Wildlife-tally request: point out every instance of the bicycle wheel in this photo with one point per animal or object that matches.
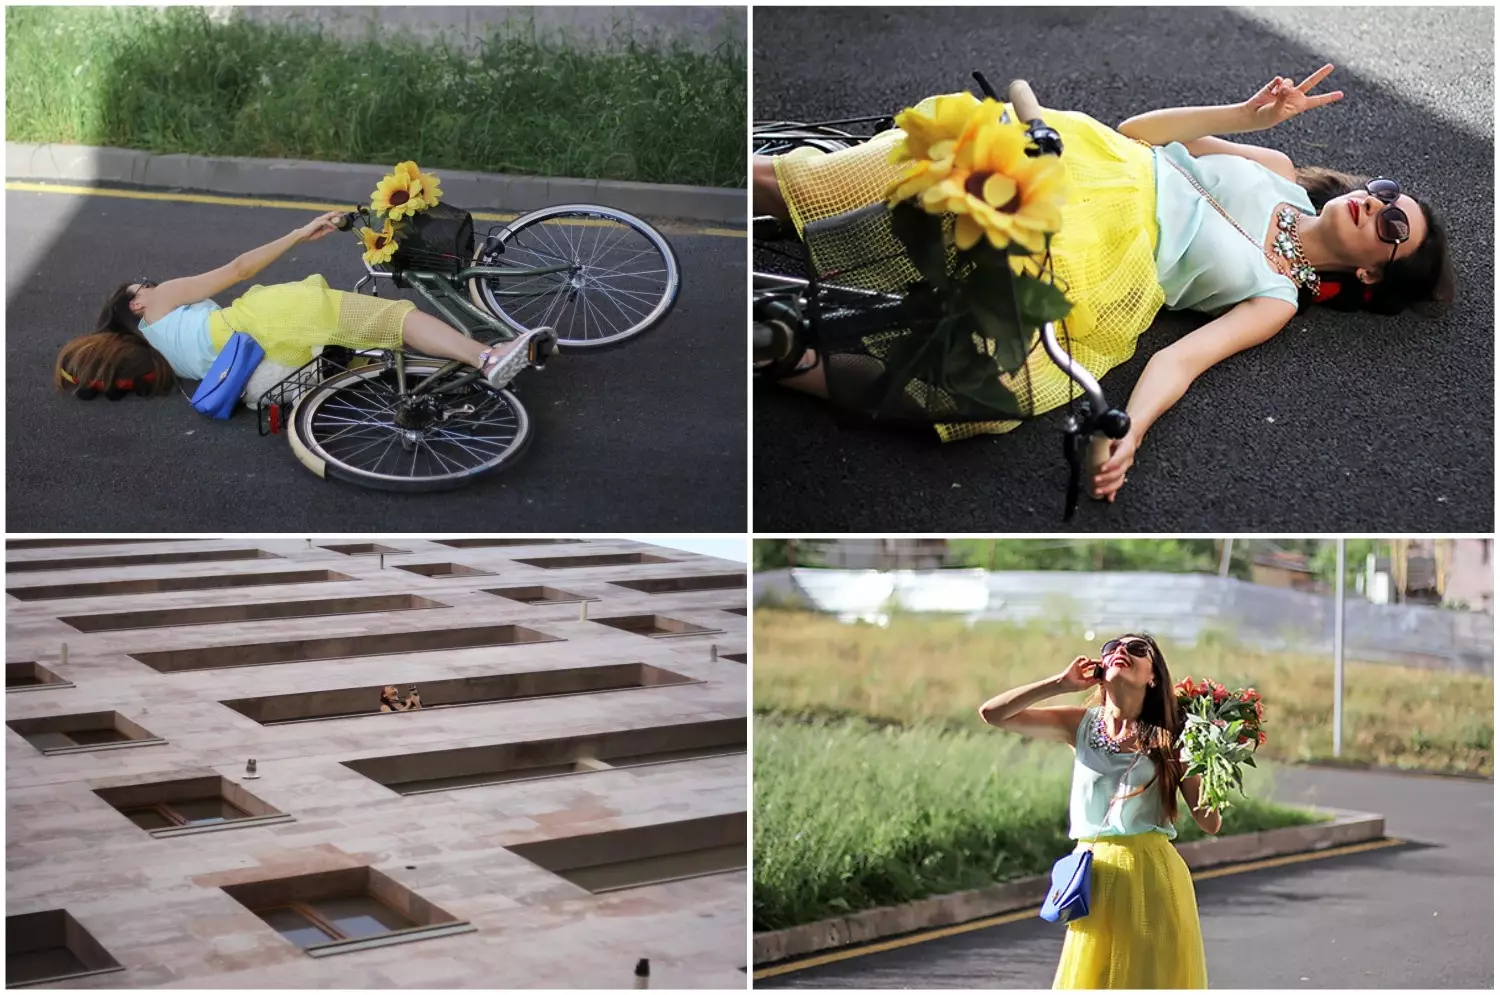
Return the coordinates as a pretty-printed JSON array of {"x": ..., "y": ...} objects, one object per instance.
[
  {"x": 352, "y": 428},
  {"x": 622, "y": 277}
]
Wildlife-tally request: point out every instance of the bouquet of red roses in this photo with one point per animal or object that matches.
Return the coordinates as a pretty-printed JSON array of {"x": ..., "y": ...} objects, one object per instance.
[{"x": 1222, "y": 732}]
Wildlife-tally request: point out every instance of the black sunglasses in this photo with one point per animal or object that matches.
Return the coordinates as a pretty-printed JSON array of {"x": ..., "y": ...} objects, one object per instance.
[
  {"x": 1135, "y": 647},
  {"x": 1391, "y": 224}
]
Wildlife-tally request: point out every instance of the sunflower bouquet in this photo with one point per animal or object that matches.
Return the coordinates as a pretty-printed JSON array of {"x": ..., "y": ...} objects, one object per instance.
[
  {"x": 1221, "y": 734},
  {"x": 398, "y": 198},
  {"x": 975, "y": 214}
]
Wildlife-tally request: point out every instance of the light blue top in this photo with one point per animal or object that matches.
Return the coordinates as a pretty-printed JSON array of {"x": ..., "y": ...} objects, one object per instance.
[
  {"x": 1202, "y": 263},
  {"x": 182, "y": 336},
  {"x": 1097, "y": 777}
]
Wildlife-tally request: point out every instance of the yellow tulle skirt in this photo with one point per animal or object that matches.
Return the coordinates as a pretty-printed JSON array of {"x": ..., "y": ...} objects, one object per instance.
[
  {"x": 1105, "y": 254},
  {"x": 1142, "y": 928},
  {"x": 288, "y": 320}
]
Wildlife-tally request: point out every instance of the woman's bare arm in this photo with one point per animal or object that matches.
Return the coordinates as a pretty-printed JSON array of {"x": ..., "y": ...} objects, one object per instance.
[
  {"x": 1208, "y": 820},
  {"x": 1172, "y": 371},
  {"x": 1188, "y": 124},
  {"x": 1277, "y": 101},
  {"x": 164, "y": 297},
  {"x": 1011, "y": 710}
]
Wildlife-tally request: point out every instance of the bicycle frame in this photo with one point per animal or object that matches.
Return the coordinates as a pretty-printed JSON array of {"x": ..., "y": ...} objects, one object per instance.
[{"x": 441, "y": 291}]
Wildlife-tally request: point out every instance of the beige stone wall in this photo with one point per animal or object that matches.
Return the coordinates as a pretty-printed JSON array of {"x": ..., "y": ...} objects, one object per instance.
[{"x": 156, "y": 904}]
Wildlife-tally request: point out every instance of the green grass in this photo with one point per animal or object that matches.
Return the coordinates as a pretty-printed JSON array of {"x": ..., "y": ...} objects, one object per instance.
[
  {"x": 850, "y": 816},
  {"x": 174, "y": 81},
  {"x": 925, "y": 670}
]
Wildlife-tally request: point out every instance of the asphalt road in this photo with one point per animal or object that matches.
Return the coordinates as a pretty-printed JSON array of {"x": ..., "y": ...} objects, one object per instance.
[
  {"x": 650, "y": 436},
  {"x": 1338, "y": 423},
  {"x": 1416, "y": 916}
]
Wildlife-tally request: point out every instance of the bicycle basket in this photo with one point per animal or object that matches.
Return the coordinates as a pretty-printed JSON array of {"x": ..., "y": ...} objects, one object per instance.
[
  {"x": 880, "y": 329},
  {"x": 440, "y": 239}
]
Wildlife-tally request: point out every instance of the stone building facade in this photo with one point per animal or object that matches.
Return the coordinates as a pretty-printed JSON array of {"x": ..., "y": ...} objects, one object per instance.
[{"x": 569, "y": 800}]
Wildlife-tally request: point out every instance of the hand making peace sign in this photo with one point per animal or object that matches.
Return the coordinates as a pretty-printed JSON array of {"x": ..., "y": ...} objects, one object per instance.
[{"x": 1280, "y": 101}]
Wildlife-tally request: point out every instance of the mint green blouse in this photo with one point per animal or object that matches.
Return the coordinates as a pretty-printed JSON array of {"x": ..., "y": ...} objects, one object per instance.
[
  {"x": 1097, "y": 776},
  {"x": 183, "y": 337},
  {"x": 1202, "y": 263}
]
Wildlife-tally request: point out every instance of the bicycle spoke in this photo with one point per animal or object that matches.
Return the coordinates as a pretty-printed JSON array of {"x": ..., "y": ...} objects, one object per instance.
[{"x": 354, "y": 425}]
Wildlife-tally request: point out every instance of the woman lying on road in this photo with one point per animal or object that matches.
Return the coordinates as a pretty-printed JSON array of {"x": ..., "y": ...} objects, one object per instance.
[
  {"x": 1142, "y": 928},
  {"x": 148, "y": 332},
  {"x": 1137, "y": 234}
]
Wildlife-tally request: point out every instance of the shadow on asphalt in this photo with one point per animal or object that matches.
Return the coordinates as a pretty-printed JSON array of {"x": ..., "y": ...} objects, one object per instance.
[{"x": 1339, "y": 422}]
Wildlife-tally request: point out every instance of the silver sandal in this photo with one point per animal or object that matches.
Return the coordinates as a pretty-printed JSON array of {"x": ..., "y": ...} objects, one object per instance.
[{"x": 531, "y": 349}]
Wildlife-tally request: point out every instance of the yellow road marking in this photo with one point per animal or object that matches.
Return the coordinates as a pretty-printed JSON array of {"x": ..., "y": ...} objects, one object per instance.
[
  {"x": 1009, "y": 917},
  {"x": 290, "y": 205}
]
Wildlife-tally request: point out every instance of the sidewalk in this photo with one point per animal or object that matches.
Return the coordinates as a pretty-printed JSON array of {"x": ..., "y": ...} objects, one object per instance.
[{"x": 338, "y": 182}]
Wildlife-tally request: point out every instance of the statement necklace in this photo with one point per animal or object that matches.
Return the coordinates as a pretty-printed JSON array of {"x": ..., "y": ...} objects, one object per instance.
[
  {"x": 1101, "y": 739},
  {"x": 1288, "y": 244}
]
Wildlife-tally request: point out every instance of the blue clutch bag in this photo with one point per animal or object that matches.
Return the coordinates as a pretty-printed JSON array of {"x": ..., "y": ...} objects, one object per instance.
[
  {"x": 1068, "y": 897},
  {"x": 221, "y": 388}
]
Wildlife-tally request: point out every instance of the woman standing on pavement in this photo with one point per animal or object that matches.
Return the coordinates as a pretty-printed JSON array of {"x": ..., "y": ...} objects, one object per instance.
[
  {"x": 1138, "y": 232},
  {"x": 148, "y": 333},
  {"x": 1142, "y": 929}
]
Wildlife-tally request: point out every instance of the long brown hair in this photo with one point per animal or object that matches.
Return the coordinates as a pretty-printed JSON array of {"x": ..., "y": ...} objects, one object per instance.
[
  {"x": 1423, "y": 280},
  {"x": 1161, "y": 726},
  {"x": 115, "y": 351}
]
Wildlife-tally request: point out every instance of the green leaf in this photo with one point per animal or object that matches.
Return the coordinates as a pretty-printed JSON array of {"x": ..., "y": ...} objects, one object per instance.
[
  {"x": 922, "y": 235},
  {"x": 970, "y": 373},
  {"x": 1041, "y": 301},
  {"x": 1250, "y": 761}
]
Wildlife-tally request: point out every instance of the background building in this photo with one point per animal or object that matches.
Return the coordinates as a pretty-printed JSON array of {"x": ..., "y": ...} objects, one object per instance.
[{"x": 569, "y": 800}]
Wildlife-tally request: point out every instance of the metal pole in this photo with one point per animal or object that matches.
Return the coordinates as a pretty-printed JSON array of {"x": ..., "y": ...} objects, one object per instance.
[
  {"x": 1338, "y": 655},
  {"x": 1224, "y": 559}
]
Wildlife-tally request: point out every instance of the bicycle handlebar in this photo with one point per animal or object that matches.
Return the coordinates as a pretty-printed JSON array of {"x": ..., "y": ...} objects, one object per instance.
[
  {"x": 347, "y": 221},
  {"x": 1024, "y": 101}
]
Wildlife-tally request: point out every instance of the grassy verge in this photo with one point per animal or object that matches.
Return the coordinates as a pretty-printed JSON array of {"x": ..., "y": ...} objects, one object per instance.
[
  {"x": 849, "y": 816},
  {"x": 174, "y": 81},
  {"x": 923, "y": 670}
]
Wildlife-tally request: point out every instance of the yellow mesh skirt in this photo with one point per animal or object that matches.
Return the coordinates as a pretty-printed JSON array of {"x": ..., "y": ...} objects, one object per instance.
[
  {"x": 1142, "y": 929},
  {"x": 289, "y": 320},
  {"x": 1105, "y": 255}
]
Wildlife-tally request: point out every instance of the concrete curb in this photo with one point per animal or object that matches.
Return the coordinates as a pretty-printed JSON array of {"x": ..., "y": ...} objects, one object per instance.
[
  {"x": 341, "y": 182},
  {"x": 966, "y": 906}
]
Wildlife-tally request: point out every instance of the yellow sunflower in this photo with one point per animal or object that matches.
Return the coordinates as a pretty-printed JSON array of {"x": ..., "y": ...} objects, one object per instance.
[
  {"x": 933, "y": 126},
  {"x": 398, "y": 195},
  {"x": 428, "y": 189},
  {"x": 380, "y": 246},
  {"x": 997, "y": 192},
  {"x": 932, "y": 132}
]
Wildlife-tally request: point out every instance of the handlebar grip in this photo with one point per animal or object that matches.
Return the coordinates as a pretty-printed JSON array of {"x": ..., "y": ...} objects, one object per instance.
[
  {"x": 1098, "y": 456},
  {"x": 347, "y": 221},
  {"x": 1024, "y": 101}
]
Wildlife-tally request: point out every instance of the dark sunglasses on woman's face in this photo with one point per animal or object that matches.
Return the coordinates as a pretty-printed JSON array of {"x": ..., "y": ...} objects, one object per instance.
[
  {"x": 1135, "y": 647},
  {"x": 1391, "y": 224}
]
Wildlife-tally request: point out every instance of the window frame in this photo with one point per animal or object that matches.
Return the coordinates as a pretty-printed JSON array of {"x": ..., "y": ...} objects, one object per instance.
[
  {"x": 307, "y": 910},
  {"x": 176, "y": 819}
]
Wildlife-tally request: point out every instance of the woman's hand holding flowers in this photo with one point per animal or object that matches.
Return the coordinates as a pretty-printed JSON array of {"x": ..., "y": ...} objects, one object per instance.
[
  {"x": 1222, "y": 732},
  {"x": 1279, "y": 100}
]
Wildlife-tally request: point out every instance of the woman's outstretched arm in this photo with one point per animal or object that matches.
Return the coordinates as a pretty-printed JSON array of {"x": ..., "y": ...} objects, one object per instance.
[
  {"x": 1277, "y": 101},
  {"x": 1011, "y": 710},
  {"x": 1172, "y": 370},
  {"x": 191, "y": 289}
]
